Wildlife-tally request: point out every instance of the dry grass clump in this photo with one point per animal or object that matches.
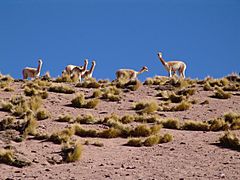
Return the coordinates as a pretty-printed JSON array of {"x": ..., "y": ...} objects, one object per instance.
[
  {"x": 72, "y": 153},
  {"x": 34, "y": 92},
  {"x": 89, "y": 83},
  {"x": 150, "y": 141},
  {"x": 42, "y": 114},
  {"x": 230, "y": 140},
  {"x": 67, "y": 78},
  {"x": 5, "y": 80},
  {"x": 110, "y": 133},
  {"x": 30, "y": 127},
  {"x": 207, "y": 87},
  {"x": 144, "y": 130},
  {"x": 218, "y": 124},
  {"x": 7, "y": 123},
  {"x": 171, "y": 123},
  {"x": 65, "y": 118},
  {"x": 61, "y": 89},
  {"x": 176, "y": 98},
  {"x": 62, "y": 136},
  {"x": 7, "y": 157},
  {"x": 157, "y": 80},
  {"x": 195, "y": 125},
  {"x": 146, "y": 119},
  {"x": 6, "y": 106},
  {"x": 146, "y": 107},
  {"x": 127, "y": 119},
  {"x": 8, "y": 89},
  {"x": 86, "y": 119},
  {"x": 234, "y": 120},
  {"x": 135, "y": 142},
  {"x": 132, "y": 85},
  {"x": 220, "y": 94},
  {"x": 186, "y": 91},
  {"x": 98, "y": 144},
  {"x": 166, "y": 138},
  {"x": 97, "y": 93},
  {"x": 183, "y": 106},
  {"x": 111, "y": 93},
  {"x": 84, "y": 132},
  {"x": 80, "y": 102}
]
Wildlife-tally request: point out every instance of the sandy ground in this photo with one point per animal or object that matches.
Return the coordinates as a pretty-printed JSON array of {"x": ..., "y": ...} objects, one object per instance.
[{"x": 191, "y": 155}]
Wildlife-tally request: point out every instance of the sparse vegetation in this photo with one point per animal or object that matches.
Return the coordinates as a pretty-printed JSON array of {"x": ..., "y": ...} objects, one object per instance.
[
  {"x": 171, "y": 123},
  {"x": 146, "y": 107},
  {"x": 8, "y": 157},
  {"x": 80, "y": 102},
  {"x": 42, "y": 114},
  {"x": 85, "y": 119},
  {"x": 61, "y": 89},
  {"x": 230, "y": 140},
  {"x": 89, "y": 83},
  {"x": 65, "y": 118},
  {"x": 183, "y": 106},
  {"x": 195, "y": 125},
  {"x": 72, "y": 153},
  {"x": 111, "y": 93},
  {"x": 220, "y": 94},
  {"x": 62, "y": 136}
]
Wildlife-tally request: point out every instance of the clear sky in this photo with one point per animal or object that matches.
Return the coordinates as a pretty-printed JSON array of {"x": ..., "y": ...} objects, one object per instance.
[{"x": 120, "y": 34}]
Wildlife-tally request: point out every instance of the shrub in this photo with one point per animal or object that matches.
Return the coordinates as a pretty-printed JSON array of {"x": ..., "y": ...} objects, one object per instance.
[
  {"x": 8, "y": 89},
  {"x": 89, "y": 83},
  {"x": 136, "y": 142},
  {"x": 127, "y": 119},
  {"x": 218, "y": 125},
  {"x": 98, "y": 144},
  {"x": 141, "y": 131},
  {"x": 110, "y": 133},
  {"x": 65, "y": 118},
  {"x": 184, "y": 105},
  {"x": 31, "y": 126},
  {"x": 6, "y": 106},
  {"x": 231, "y": 116},
  {"x": 230, "y": 140},
  {"x": 166, "y": 138},
  {"x": 20, "y": 109},
  {"x": 207, "y": 87},
  {"x": 7, "y": 123},
  {"x": 62, "y": 136},
  {"x": 171, "y": 123},
  {"x": 148, "y": 81},
  {"x": 151, "y": 140},
  {"x": 111, "y": 93},
  {"x": 97, "y": 93},
  {"x": 61, "y": 89},
  {"x": 35, "y": 103},
  {"x": 86, "y": 119},
  {"x": 220, "y": 94},
  {"x": 79, "y": 102},
  {"x": 42, "y": 114},
  {"x": 186, "y": 92},
  {"x": 195, "y": 126},
  {"x": 133, "y": 85},
  {"x": 30, "y": 91},
  {"x": 176, "y": 98},
  {"x": 72, "y": 153},
  {"x": 148, "y": 107},
  {"x": 7, "y": 157},
  {"x": 85, "y": 133}
]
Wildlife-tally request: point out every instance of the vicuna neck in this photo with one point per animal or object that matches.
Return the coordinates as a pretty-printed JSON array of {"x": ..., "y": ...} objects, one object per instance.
[
  {"x": 162, "y": 60},
  {"x": 92, "y": 68},
  {"x": 39, "y": 67}
]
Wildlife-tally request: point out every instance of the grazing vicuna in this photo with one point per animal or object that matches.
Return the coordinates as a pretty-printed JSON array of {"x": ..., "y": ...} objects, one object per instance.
[
  {"x": 69, "y": 68},
  {"x": 173, "y": 66},
  {"x": 29, "y": 72},
  {"x": 129, "y": 73},
  {"x": 89, "y": 73},
  {"x": 78, "y": 71}
]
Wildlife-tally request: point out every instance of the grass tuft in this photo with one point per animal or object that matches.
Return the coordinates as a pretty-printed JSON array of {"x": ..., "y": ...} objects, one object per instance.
[
  {"x": 62, "y": 89},
  {"x": 72, "y": 153},
  {"x": 230, "y": 140}
]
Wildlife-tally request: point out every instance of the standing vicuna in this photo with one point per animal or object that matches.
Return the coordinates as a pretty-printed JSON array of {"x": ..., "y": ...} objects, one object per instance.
[
  {"x": 89, "y": 73},
  {"x": 69, "y": 68},
  {"x": 29, "y": 72},
  {"x": 129, "y": 73},
  {"x": 78, "y": 71},
  {"x": 173, "y": 66}
]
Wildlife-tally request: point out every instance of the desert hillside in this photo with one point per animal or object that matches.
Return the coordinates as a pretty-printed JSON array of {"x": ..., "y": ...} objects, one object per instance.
[{"x": 163, "y": 128}]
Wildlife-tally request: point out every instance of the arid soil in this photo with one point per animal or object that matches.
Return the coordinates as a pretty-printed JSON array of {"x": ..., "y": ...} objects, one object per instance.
[{"x": 191, "y": 154}]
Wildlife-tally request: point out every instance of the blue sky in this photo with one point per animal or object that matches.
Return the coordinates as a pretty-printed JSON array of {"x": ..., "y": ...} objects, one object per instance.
[{"x": 120, "y": 34}]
